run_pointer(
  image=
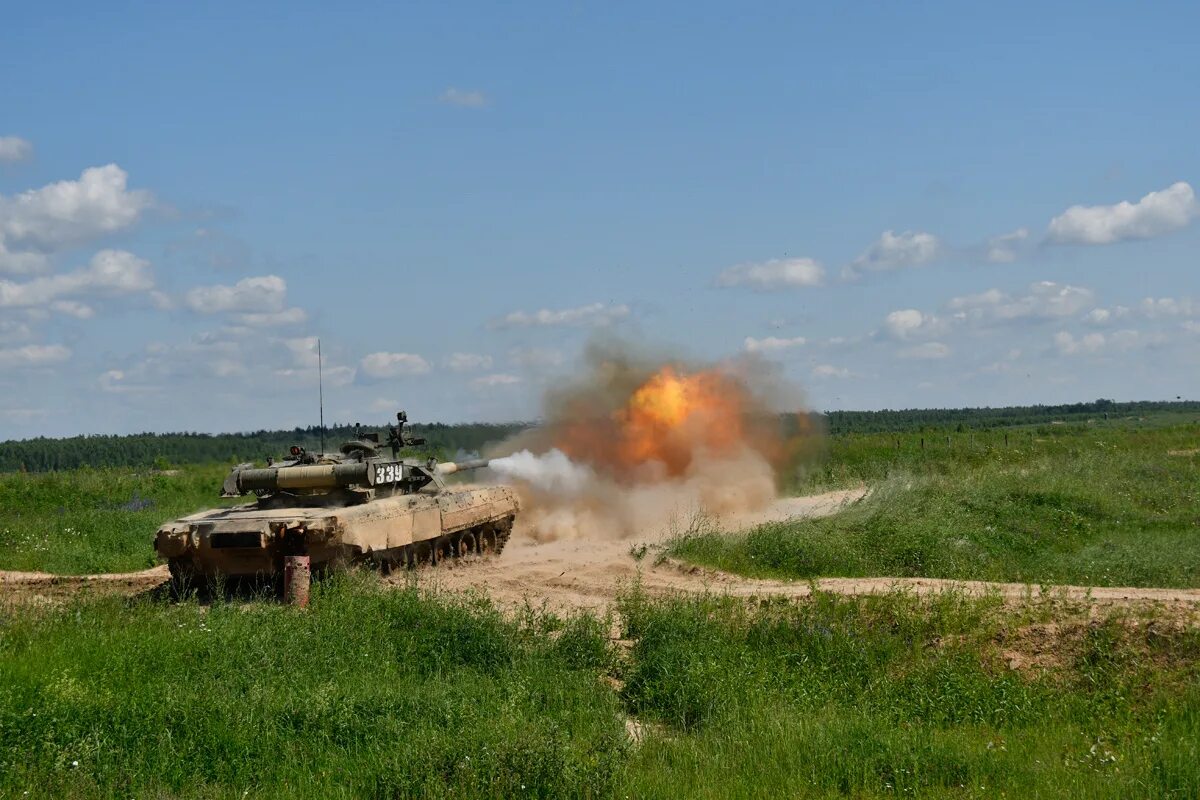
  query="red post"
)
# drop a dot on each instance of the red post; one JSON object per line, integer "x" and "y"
{"x": 297, "y": 573}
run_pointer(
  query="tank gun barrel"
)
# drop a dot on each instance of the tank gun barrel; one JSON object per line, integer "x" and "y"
{"x": 451, "y": 467}
{"x": 245, "y": 479}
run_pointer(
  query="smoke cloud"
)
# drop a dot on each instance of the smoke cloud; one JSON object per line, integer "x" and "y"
{"x": 635, "y": 442}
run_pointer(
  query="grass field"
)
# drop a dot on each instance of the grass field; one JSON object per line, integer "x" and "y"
{"x": 95, "y": 520}
{"x": 397, "y": 693}
{"x": 1095, "y": 505}
{"x": 377, "y": 692}
{"x": 1103, "y": 504}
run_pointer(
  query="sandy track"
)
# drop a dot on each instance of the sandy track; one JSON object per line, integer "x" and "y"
{"x": 42, "y": 586}
{"x": 580, "y": 574}
{"x": 589, "y": 574}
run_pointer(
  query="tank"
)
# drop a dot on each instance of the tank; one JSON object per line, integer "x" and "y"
{"x": 352, "y": 506}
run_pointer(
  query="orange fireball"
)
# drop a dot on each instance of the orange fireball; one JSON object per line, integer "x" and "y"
{"x": 669, "y": 419}
{"x": 674, "y": 416}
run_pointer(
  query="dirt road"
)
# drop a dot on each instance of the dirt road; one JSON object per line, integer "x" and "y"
{"x": 34, "y": 587}
{"x": 588, "y": 574}
{"x": 581, "y": 574}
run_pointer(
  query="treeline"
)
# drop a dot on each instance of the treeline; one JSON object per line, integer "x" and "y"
{"x": 886, "y": 421}
{"x": 167, "y": 449}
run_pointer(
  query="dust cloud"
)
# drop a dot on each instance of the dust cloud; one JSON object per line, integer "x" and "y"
{"x": 636, "y": 443}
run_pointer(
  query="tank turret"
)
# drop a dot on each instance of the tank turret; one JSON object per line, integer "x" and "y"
{"x": 357, "y": 474}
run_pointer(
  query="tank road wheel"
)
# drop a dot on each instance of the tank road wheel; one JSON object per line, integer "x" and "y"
{"x": 487, "y": 540}
{"x": 464, "y": 544}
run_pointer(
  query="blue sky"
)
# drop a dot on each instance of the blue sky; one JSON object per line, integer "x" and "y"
{"x": 920, "y": 204}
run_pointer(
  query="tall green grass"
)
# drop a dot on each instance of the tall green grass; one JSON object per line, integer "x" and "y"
{"x": 370, "y": 693}
{"x": 95, "y": 520}
{"x": 398, "y": 693}
{"x": 1099, "y": 507}
{"x": 893, "y": 696}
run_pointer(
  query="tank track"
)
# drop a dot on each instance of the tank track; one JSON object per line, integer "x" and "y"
{"x": 465, "y": 545}
{"x": 458, "y": 547}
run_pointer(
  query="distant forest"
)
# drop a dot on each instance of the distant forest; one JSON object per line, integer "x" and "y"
{"x": 166, "y": 449}
{"x": 887, "y": 421}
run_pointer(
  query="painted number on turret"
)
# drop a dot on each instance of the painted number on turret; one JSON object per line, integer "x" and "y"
{"x": 389, "y": 473}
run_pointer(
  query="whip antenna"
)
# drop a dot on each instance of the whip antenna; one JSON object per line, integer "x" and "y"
{"x": 321, "y": 395}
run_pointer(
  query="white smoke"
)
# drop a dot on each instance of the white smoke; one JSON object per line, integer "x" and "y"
{"x": 549, "y": 472}
{"x": 567, "y": 500}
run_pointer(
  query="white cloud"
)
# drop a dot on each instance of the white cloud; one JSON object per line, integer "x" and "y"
{"x": 393, "y": 365}
{"x": 771, "y": 344}
{"x": 273, "y": 319}
{"x": 57, "y": 216}
{"x": 303, "y": 351}
{"x": 73, "y": 308}
{"x": 14, "y": 149}
{"x": 249, "y": 363}
{"x": 594, "y": 315}
{"x": 22, "y": 262}
{"x": 1005, "y": 247}
{"x": 116, "y": 381}
{"x": 1155, "y": 214}
{"x": 788, "y": 273}
{"x": 830, "y": 371}
{"x": 1092, "y": 343}
{"x": 300, "y": 352}
{"x": 1154, "y": 307}
{"x": 1191, "y": 326}
{"x": 333, "y": 376}
{"x": 494, "y": 381}
{"x": 1042, "y": 300}
{"x": 33, "y": 355}
{"x": 258, "y": 295}
{"x": 464, "y": 98}
{"x": 111, "y": 272}
{"x": 1100, "y": 317}
{"x": 119, "y": 271}
{"x": 468, "y": 362}
{"x": 1126, "y": 339}
{"x": 926, "y": 351}
{"x": 894, "y": 250}
{"x": 1068, "y": 345}
{"x": 909, "y": 323}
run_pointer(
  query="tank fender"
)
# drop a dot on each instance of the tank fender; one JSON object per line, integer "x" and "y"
{"x": 171, "y": 544}
{"x": 391, "y": 523}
